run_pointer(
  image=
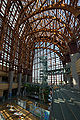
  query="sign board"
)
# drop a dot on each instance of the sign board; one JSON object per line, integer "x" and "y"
{"x": 40, "y": 112}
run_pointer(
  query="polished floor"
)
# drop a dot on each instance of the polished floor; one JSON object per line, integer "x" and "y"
{"x": 66, "y": 104}
{"x": 9, "y": 114}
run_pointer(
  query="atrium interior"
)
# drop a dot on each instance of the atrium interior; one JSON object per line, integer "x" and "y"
{"x": 39, "y": 59}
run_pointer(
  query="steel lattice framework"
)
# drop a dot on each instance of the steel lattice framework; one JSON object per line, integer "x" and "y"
{"x": 25, "y": 25}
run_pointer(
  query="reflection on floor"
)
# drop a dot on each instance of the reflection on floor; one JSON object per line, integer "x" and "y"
{"x": 64, "y": 104}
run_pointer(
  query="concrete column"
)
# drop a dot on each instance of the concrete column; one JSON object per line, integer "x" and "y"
{"x": 75, "y": 76}
{"x": 0, "y": 79}
{"x": 30, "y": 78}
{"x": 1, "y": 93}
{"x": 68, "y": 78}
{"x": 25, "y": 78}
{"x": 10, "y": 77}
{"x": 71, "y": 82}
{"x": 19, "y": 83}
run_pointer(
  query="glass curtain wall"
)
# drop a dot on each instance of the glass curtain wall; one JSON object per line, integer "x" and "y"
{"x": 46, "y": 59}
